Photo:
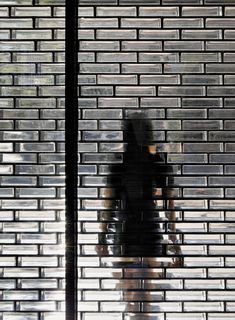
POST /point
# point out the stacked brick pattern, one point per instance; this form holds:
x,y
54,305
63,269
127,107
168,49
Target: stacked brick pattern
x,y
32,159
174,59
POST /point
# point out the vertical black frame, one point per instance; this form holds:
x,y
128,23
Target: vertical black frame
x,y
71,156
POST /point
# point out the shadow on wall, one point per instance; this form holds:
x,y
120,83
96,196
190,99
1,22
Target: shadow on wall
x,y
141,194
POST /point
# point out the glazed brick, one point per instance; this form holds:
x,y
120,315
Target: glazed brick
x,y
50,45
140,23
18,68
84,34
181,91
183,45
98,23
82,12
219,114
101,135
136,91
173,59
16,23
17,46
51,68
229,79
161,79
96,91
220,91
31,57
202,11
29,34
116,11
202,125
124,2
18,91
160,102
35,80
183,68
220,23
14,2
117,102
118,79
116,34
159,57
140,68
219,46
183,23
99,45
50,23
4,34
229,34
220,68
200,57
186,2
202,102
159,34
30,11
202,79
116,57
105,68
4,11
158,11
201,34
4,57
186,136
141,46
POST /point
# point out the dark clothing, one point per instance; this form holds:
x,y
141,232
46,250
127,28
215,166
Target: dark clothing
x,y
142,194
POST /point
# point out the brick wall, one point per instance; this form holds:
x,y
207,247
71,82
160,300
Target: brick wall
x,y
32,159
174,60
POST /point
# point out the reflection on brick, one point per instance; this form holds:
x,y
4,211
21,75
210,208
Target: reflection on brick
x,y
175,60
27,235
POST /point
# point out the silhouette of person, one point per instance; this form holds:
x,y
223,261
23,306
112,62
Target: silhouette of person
x,y
143,190
142,186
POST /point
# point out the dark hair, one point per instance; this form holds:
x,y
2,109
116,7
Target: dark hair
x,y
138,131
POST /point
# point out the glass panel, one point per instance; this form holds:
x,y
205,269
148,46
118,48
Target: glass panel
x,y
32,160
156,166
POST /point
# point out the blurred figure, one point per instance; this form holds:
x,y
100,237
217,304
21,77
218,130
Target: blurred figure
x,y
142,186
143,191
